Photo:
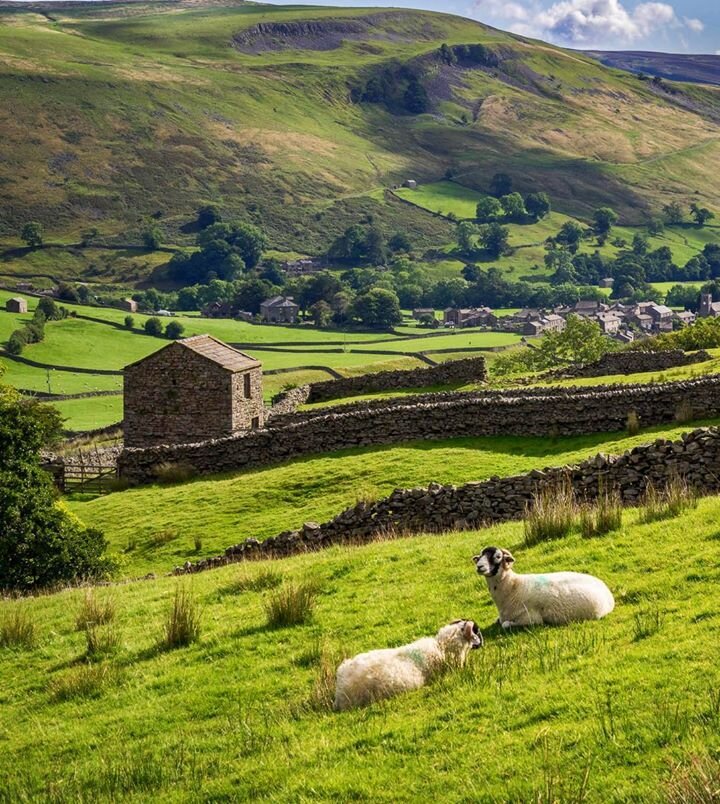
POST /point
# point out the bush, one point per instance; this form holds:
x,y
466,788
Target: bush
x,y
94,612
182,625
17,630
292,604
551,515
153,326
17,342
129,322
174,330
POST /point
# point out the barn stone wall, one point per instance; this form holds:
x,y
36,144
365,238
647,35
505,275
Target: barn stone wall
x,y
440,508
536,412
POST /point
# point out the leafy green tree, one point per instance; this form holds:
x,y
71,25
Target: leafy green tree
x,y
251,294
32,234
538,205
640,245
686,297
494,239
207,215
375,246
152,238
399,243
501,184
378,308
49,308
488,209
321,313
245,239
40,543
673,213
174,330
129,322
655,226
701,214
513,207
570,235
153,326
466,237
604,218
17,341
416,99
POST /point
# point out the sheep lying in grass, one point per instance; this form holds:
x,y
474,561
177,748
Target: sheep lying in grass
x,y
384,673
554,598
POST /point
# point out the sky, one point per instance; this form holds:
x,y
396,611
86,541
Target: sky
x,y
675,26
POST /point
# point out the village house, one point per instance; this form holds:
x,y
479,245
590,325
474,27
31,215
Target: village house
x,y
128,304
16,305
279,310
609,323
685,318
191,390
469,317
607,282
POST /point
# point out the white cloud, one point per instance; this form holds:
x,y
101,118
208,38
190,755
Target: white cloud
x,y
585,23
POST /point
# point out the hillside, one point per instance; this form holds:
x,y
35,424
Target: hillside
x,y
301,118
692,67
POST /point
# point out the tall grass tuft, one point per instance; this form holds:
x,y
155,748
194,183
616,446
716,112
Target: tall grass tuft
x,y
672,501
697,781
646,622
94,612
101,640
322,694
84,681
551,515
182,625
291,604
602,517
170,473
255,582
18,630
632,423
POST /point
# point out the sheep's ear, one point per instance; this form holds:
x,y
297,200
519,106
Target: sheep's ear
x,y
468,631
508,557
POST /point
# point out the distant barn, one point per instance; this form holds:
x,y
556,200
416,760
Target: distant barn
x,y
16,305
192,390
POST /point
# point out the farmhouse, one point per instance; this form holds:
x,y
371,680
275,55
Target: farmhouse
x,y
16,305
280,310
192,390
128,304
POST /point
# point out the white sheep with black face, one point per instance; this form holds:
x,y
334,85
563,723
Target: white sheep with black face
x,y
383,673
553,598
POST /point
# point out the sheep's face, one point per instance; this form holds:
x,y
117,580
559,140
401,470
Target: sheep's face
x,y
460,635
493,561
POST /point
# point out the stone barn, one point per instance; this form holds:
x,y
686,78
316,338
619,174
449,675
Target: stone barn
x,y
192,390
16,305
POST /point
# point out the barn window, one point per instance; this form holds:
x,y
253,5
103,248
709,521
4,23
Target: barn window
x,y
248,388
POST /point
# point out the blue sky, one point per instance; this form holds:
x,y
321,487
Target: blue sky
x,y
678,26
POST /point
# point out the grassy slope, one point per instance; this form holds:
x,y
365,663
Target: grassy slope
x,y
228,718
225,510
273,136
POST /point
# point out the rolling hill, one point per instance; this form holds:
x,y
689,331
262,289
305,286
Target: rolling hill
x,y
692,67
117,114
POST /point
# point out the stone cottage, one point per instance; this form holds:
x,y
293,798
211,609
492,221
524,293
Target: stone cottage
x,y
16,305
191,390
279,310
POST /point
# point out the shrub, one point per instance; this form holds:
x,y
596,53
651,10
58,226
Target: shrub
x,y
632,424
603,517
174,472
551,514
17,630
94,612
129,322
85,681
292,604
101,640
153,326
676,498
182,625
174,330
16,342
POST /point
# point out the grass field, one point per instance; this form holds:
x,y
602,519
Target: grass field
x,y
588,712
225,510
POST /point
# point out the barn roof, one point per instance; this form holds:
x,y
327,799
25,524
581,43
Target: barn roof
x,y
212,349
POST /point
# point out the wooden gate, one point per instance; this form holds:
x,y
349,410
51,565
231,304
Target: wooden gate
x,y
88,479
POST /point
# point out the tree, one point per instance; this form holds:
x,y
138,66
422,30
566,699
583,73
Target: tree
x,y
399,243
129,322
245,239
321,313
488,209
17,342
501,184
41,543
378,308
375,246
153,326
570,235
604,218
582,341
32,234
686,297
207,215
152,238
465,237
655,226
494,239
416,99
701,214
673,213
251,294
640,245
50,309
538,205
174,330
513,206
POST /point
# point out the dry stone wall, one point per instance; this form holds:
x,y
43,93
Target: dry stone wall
x,y
539,412
634,362
439,508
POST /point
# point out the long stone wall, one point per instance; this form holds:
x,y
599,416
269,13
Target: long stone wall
x,y
438,508
633,362
536,412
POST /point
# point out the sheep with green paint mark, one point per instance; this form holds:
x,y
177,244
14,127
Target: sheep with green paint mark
x,y
553,598
383,673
